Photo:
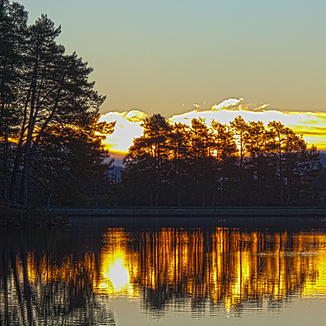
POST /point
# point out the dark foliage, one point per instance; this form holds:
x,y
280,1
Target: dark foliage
x,y
240,164
50,143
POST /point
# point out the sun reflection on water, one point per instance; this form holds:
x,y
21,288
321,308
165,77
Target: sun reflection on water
x,y
225,271
115,275
117,271
229,268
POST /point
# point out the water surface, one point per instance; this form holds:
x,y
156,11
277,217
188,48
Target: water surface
x,y
162,276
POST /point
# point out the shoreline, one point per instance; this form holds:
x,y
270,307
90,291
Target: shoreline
x,y
190,211
234,217
244,217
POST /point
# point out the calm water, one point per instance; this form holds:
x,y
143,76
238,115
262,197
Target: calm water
x,y
115,276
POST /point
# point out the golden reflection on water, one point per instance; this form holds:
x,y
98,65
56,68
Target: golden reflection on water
x,y
225,267
316,285
119,266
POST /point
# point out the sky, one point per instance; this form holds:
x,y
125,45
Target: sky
x,y
174,56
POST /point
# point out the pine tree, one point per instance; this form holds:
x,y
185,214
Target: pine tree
x,y
13,29
42,90
148,156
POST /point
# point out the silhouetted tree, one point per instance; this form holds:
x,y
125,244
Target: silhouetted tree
x,y
239,129
224,151
201,160
179,143
296,167
71,165
257,165
42,89
245,163
13,29
146,159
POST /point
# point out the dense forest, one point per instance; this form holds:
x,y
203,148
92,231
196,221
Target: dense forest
x,y
243,163
51,149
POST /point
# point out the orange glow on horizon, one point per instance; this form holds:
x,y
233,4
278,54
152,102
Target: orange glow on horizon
x,y
312,125
116,155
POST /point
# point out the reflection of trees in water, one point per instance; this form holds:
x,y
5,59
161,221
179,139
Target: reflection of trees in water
x,y
224,268
64,279
40,288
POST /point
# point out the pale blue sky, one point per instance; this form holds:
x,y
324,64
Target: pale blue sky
x,y
155,56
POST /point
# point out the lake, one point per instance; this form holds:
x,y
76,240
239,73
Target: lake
x,y
162,276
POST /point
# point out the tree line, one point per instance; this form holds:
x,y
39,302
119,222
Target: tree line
x,y
50,138
51,149
240,163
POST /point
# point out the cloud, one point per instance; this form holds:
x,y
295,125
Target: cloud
x,y
226,104
126,129
224,112
134,116
312,125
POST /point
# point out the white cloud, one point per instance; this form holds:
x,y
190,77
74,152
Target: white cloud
x,y
311,124
126,129
227,103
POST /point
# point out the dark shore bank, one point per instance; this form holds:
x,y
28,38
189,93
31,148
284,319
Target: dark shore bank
x,y
162,211
14,215
262,217
10,214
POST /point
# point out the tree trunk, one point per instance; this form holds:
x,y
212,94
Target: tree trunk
x,y
157,176
5,162
19,152
241,172
179,187
214,189
24,180
203,189
30,129
14,174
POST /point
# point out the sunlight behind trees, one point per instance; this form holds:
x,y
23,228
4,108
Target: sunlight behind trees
x,y
312,125
49,112
243,163
54,143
